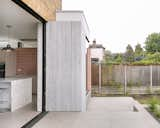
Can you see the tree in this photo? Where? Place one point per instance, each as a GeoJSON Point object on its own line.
{"type": "Point", "coordinates": [108, 56]}
{"type": "Point", "coordinates": [138, 50]}
{"type": "Point", "coordinates": [138, 54]}
{"type": "Point", "coordinates": [153, 58]}
{"type": "Point", "coordinates": [152, 43]}
{"type": "Point", "coordinates": [129, 54]}
{"type": "Point", "coordinates": [118, 58]}
{"type": "Point", "coordinates": [113, 58]}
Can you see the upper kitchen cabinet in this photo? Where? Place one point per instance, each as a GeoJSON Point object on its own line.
{"type": "Point", "coordinates": [9, 59]}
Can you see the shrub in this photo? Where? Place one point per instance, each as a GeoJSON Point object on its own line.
{"type": "Point", "coordinates": [157, 112]}
{"type": "Point", "coordinates": [130, 84]}
{"type": "Point", "coordinates": [138, 84]}
{"type": "Point", "coordinates": [153, 104]}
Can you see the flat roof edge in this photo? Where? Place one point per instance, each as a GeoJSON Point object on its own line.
{"type": "Point", "coordinates": [75, 11]}
{"type": "Point", "coordinates": [70, 11]}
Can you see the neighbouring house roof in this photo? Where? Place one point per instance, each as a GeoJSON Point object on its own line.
{"type": "Point", "coordinates": [95, 45]}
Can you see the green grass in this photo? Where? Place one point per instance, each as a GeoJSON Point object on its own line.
{"type": "Point", "coordinates": [153, 102]}
{"type": "Point", "coordinates": [146, 99]}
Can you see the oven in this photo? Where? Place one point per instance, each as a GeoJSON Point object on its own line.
{"type": "Point", "coordinates": [2, 70]}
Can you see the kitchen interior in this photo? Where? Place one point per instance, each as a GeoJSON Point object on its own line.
{"type": "Point", "coordinates": [18, 74]}
{"type": "Point", "coordinates": [18, 59]}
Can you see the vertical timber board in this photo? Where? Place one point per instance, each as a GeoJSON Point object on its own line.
{"type": "Point", "coordinates": [76, 66]}
{"type": "Point", "coordinates": [88, 70]}
{"type": "Point", "coordinates": [67, 76]}
{"type": "Point", "coordinates": [83, 68]}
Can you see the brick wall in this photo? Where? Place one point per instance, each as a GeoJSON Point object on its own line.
{"type": "Point", "coordinates": [26, 59]}
{"type": "Point", "coordinates": [88, 69]}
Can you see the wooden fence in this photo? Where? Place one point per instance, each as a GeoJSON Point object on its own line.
{"type": "Point", "coordinates": [125, 78]}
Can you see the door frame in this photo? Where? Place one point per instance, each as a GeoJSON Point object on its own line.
{"type": "Point", "coordinates": [35, 119]}
{"type": "Point", "coordinates": [43, 21]}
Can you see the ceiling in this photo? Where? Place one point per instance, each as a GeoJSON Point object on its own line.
{"type": "Point", "coordinates": [24, 26]}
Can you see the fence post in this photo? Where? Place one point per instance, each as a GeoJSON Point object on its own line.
{"type": "Point", "coordinates": [100, 77]}
{"type": "Point", "coordinates": [151, 79]}
{"type": "Point", "coordinates": [158, 73]}
{"type": "Point", "coordinates": [125, 80]}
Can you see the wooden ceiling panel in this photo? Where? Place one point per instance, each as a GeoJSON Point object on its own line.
{"type": "Point", "coordinates": [45, 8]}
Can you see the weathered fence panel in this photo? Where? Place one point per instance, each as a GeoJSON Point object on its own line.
{"type": "Point", "coordinates": [124, 79]}
{"type": "Point", "coordinates": [95, 74]}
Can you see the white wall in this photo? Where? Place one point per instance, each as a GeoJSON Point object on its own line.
{"type": "Point", "coordinates": [29, 44]}
{"type": "Point", "coordinates": [14, 44]}
{"type": "Point", "coordinates": [39, 68]}
{"type": "Point", "coordinates": [74, 16]}
{"type": "Point", "coordinates": [65, 78]}
{"type": "Point", "coordinates": [4, 43]}
{"type": "Point", "coordinates": [97, 53]}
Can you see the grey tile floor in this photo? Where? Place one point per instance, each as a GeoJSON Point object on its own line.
{"type": "Point", "coordinates": [19, 117]}
{"type": "Point", "coordinates": [114, 112]}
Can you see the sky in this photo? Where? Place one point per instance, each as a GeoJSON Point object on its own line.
{"type": "Point", "coordinates": [116, 23]}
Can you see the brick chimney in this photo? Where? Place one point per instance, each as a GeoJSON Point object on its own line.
{"type": "Point", "coordinates": [94, 43]}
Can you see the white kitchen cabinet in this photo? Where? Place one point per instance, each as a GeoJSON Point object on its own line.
{"type": "Point", "coordinates": [15, 93]}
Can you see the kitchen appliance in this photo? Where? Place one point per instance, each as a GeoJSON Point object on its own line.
{"type": "Point", "coordinates": [2, 70]}
{"type": "Point", "coordinates": [20, 45]}
{"type": "Point", "coordinates": [8, 48]}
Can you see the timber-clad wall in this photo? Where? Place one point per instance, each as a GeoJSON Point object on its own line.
{"type": "Point", "coordinates": [88, 70]}
{"type": "Point", "coordinates": [45, 8]}
{"type": "Point", "coordinates": [65, 67]}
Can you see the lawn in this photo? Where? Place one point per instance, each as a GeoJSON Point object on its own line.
{"type": "Point", "coordinates": [146, 99]}
{"type": "Point", "coordinates": [153, 103]}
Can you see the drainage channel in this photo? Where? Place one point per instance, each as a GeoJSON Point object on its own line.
{"type": "Point", "coordinates": [135, 109]}
{"type": "Point", "coordinates": [33, 121]}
